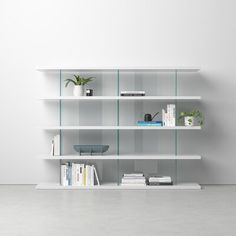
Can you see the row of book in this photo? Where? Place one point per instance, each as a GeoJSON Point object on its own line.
{"type": "Point", "coordinates": [75, 174]}
{"type": "Point", "coordinates": [138, 179]}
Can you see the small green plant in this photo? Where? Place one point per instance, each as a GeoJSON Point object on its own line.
{"type": "Point", "coordinates": [195, 114]}
{"type": "Point", "coordinates": [78, 80]}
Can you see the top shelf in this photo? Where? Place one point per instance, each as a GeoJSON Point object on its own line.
{"type": "Point", "coordinates": [127, 69]}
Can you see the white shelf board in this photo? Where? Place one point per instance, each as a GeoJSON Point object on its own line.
{"type": "Point", "coordinates": [114, 186]}
{"type": "Point", "coordinates": [121, 128]}
{"type": "Point", "coordinates": [135, 68]}
{"type": "Point", "coordinates": [143, 98]}
{"type": "Point", "coordinates": [121, 157]}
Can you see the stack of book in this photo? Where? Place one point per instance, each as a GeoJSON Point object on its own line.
{"type": "Point", "coordinates": [149, 123]}
{"type": "Point", "coordinates": [132, 93]}
{"type": "Point", "coordinates": [75, 174]}
{"type": "Point", "coordinates": [168, 118]}
{"type": "Point", "coordinates": [55, 147]}
{"type": "Point", "coordinates": [133, 179]}
{"type": "Point", "coordinates": [160, 180]}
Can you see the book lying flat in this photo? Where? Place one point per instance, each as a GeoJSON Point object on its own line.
{"type": "Point", "coordinates": [156, 184]}
{"type": "Point", "coordinates": [133, 184]}
{"type": "Point", "coordinates": [132, 93]}
{"type": "Point", "coordinates": [134, 175]}
{"type": "Point", "coordinates": [149, 124]}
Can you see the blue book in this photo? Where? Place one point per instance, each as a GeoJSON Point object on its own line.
{"type": "Point", "coordinates": [149, 123]}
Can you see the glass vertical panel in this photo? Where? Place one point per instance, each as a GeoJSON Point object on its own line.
{"type": "Point", "coordinates": [176, 132]}
{"type": "Point", "coordinates": [91, 113]}
{"type": "Point", "coordinates": [118, 124]}
{"type": "Point", "coordinates": [190, 142]}
{"type": "Point", "coordinates": [146, 142]}
{"type": "Point", "coordinates": [60, 123]}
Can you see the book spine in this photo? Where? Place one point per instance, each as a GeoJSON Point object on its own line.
{"type": "Point", "coordinates": [81, 176]}
{"type": "Point", "coordinates": [73, 180]}
{"type": "Point", "coordinates": [88, 175]}
{"type": "Point", "coordinates": [76, 174]}
{"type": "Point", "coordinates": [84, 175]}
{"type": "Point", "coordinates": [63, 175]}
{"type": "Point", "coordinates": [68, 173]}
{"type": "Point", "coordinates": [92, 176]}
{"type": "Point", "coordinates": [163, 117]}
{"type": "Point", "coordinates": [57, 145]}
{"type": "Point", "coordinates": [96, 175]}
{"type": "Point", "coordinates": [52, 148]}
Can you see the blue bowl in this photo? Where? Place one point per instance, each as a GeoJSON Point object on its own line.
{"type": "Point", "coordinates": [91, 149]}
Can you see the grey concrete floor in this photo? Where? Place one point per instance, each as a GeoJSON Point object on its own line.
{"type": "Point", "coordinates": [25, 211]}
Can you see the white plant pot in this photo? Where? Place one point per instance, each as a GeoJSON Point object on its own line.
{"type": "Point", "coordinates": [188, 120]}
{"type": "Point", "coordinates": [78, 90]}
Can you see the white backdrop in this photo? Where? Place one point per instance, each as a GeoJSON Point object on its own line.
{"type": "Point", "coordinates": [115, 33]}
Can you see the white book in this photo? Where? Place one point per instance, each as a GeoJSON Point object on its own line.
{"type": "Point", "coordinates": [64, 181]}
{"type": "Point", "coordinates": [171, 114]}
{"type": "Point", "coordinates": [52, 148]}
{"type": "Point", "coordinates": [57, 145]}
{"type": "Point", "coordinates": [80, 177]}
{"type": "Point", "coordinates": [134, 175]}
{"type": "Point", "coordinates": [92, 175]}
{"type": "Point", "coordinates": [87, 174]}
{"type": "Point", "coordinates": [133, 181]}
{"type": "Point", "coordinates": [133, 184]}
{"type": "Point", "coordinates": [160, 179]}
{"type": "Point", "coordinates": [81, 174]}
{"type": "Point", "coordinates": [73, 174]}
{"type": "Point", "coordinates": [96, 175]}
{"type": "Point", "coordinates": [77, 183]}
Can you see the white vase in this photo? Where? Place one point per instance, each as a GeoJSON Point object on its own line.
{"type": "Point", "coordinates": [188, 120]}
{"type": "Point", "coordinates": [78, 90]}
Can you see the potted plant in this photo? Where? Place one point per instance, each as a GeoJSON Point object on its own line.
{"type": "Point", "coordinates": [189, 117]}
{"type": "Point", "coordinates": [79, 83]}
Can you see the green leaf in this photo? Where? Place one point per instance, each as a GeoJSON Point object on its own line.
{"type": "Point", "coordinates": [69, 81]}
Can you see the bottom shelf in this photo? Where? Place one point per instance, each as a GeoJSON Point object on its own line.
{"type": "Point", "coordinates": [114, 186]}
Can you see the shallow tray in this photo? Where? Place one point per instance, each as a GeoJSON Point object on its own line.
{"type": "Point", "coordinates": [91, 149]}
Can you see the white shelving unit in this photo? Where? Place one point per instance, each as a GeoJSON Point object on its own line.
{"type": "Point", "coordinates": [114, 186]}
{"type": "Point", "coordinates": [131, 69]}
{"type": "Point", "coordinates": [93, 127]}
{"type": "Point", "coordinates": [118, 127]}
{"type": "Point", "coordinates": [121, 157]}
{"type": "Point", "coordinates": [121, 98]}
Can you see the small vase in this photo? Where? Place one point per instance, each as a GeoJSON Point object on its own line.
{"type": "Point", "coordinates": [188, 120]}
{"type": "Point", "coordinates": [78, 90]}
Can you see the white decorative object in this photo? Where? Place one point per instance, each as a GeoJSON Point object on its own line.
{"type": "Point", "coordinates": [188, 120]}
{"type": "Point", "coordinates": [78, 90]}
{"type": "Point", "coordinates": [168, 118]}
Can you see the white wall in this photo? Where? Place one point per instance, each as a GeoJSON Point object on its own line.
{"type": "Point", "coordinates": [111, 32]}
